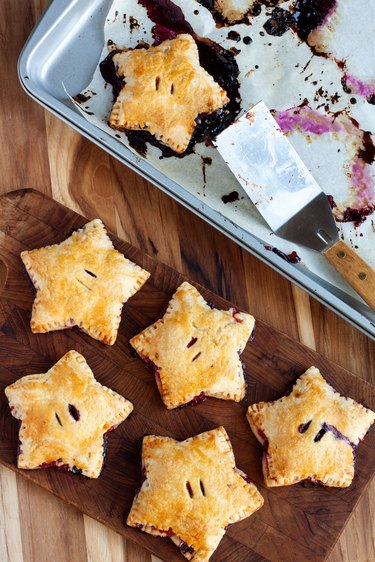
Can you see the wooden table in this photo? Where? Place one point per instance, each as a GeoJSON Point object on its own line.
{"type": "Point", "coordinates": [39, 151]}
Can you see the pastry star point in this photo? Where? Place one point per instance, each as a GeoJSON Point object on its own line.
{"type": "Point", "coordinates": [194, 349]}
{"type": "Point", "coordinates": [203, 492]}
{"type": "Point", "coordinates": [174, 89]}
{"type": "Point", "coordinates": [311, 434]}
{"type": "Point", "coordinates": [65, 414]}
{"type": "Point", "coordinates": [82, 281]}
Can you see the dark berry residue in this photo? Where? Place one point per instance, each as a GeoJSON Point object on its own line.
{"type": "Point", "coordinates": [231, 197]}
{"type": "Point", "coordinates": [279, 22]}
{"type": "Point", "coordinates": [331, 201]}
{"type": "Point", "coordinates": [109, 74]}
{"type": "Point", "coordinates": [358, 216]}
{"type": "Point", "coordinates": [309, 14]}
{"type": "Point", "coordinates": [81, 98]}
{"type": "Point", "coordinates": [293, 257]}
{"type": "Point", "coordinates": [234, 35]}
{"type": "Point", "coordinates": [247, 40]}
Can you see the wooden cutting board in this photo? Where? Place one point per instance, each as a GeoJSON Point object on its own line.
{"type": "Point", "coordinates": [296, 522]}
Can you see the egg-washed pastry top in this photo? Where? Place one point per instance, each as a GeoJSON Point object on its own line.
{"type": "Point", "coordinates": [311, 434]}
{"type": "Point", "coordinates": [82, 281]}
{"type": "Point", "coordinates": [65, 414]}
{"type": "Point", "coordinates": [194, 350]}
{"type": "Point", "coordinates": [192, 491]}
{"type": "Point", "coordinates": [165, 89]}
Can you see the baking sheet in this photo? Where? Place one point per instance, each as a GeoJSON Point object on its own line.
{"type": "Point", "coordinates": [327, 125]}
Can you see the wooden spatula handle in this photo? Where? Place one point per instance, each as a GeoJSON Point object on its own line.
{"type": "Point", "coordinates": [356, 271]}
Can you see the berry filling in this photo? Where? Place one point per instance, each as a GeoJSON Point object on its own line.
{"type": "Point", "coordinates": [304, 426]}
{"type": "Point", "coordinates": [192, 342]}
{"type": "Point", "coordinates": [235, 314]}
{"type": "Point", "coordinates": [336, 433]}
{"type": "Point", "coordinates": [162, 532]}
{"type": "Point", "coordinates": [189, 489]}
{"type": "Point", "coordinates": [74, 412]}
{"type": "Point", "coordinates": [105, 440]}
{"type": "Point", "coordinates": [264, 439]}
{"type": "Point", "coordinates": [194, 401]}
{"type": "Point", "coordinates": [62, 467]}
{"type": "Point", "coordinates": [312, 482]}
{"type": "Point", "coordinates": [185, 548]}
{"type": "Point", "coordinates": [243, 475]}
{"type": "Point", "coordinates": [151, 366]}
{"type": "Point", "coordinates": [265, 444]}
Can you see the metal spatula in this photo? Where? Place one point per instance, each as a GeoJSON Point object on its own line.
{"type": "Point", "coordinates": [287, 195]}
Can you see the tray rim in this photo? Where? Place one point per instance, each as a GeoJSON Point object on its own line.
{"type": "Point", "coordinates": [344, 305]}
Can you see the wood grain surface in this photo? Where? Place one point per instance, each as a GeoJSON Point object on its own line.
{"type": "Point", "coordinates": [39, 151]}
{"type": "Point", "coordinates": [305, 521]}
{"type": "Point", "coordinates": [357, 272]}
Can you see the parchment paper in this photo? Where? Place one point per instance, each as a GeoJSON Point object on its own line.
{"type": "Point", "coordinates": [284, 72]}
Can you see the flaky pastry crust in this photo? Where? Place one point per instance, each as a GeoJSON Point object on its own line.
{"type": "Point", "coordinates": [233, 10]}
{"type": "Point", "coordinates": [82, 281]}
{"type": "Point", "coordinates": [165, 89]}
{"type": "Point", "coordinates": [310, 434]}
{"type": "Point", "coordinates": [195, 349]}
{"type": "Point", "coordinates": [64, 415]}
{"type": "Point", "coordinates": [192, 491]}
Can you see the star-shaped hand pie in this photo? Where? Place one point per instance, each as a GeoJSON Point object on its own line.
{"type": "Point", "coordinates": [311, 434]}
{"type": "Point", "coordinates": [194, 349]}
{"type": "Point", "coordinates": [192, 491]}
{"type": "Point", "coordinates": [165, 89]}
{"type": "Point", "coordinates": [65, 415]}
{"type": "Point", "coordinates": [83, 281]}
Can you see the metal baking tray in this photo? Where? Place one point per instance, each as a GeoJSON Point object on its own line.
{"type": "Point", "coordinates": [65, 46]}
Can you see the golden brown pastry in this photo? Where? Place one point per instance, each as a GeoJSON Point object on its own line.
{"type": "Point", "coordinates": [194, 349]}
{"type": "Point", "coordinates": [65, 414]}
{"type": "Point", "coordinates": [311, 434]}
{"type": "Point", "coordinates": [165, 89]}
{"type": "Point", "coordinates": [192, 491]}
{"type": "Point", "coordinates": [234, 10]}
{"type": "Point", "coordinates": [83, 281]}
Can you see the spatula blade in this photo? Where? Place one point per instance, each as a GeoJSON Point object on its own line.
{"type": "Point", "coordinates": [267, 166]}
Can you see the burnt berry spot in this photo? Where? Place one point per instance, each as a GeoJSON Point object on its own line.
{"type": "Point", "coordinates": [304, 426]}
{"type": "Point", "coordinates": [74, 412]}
{"type": "Point", "coordinates": [280, 21]}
